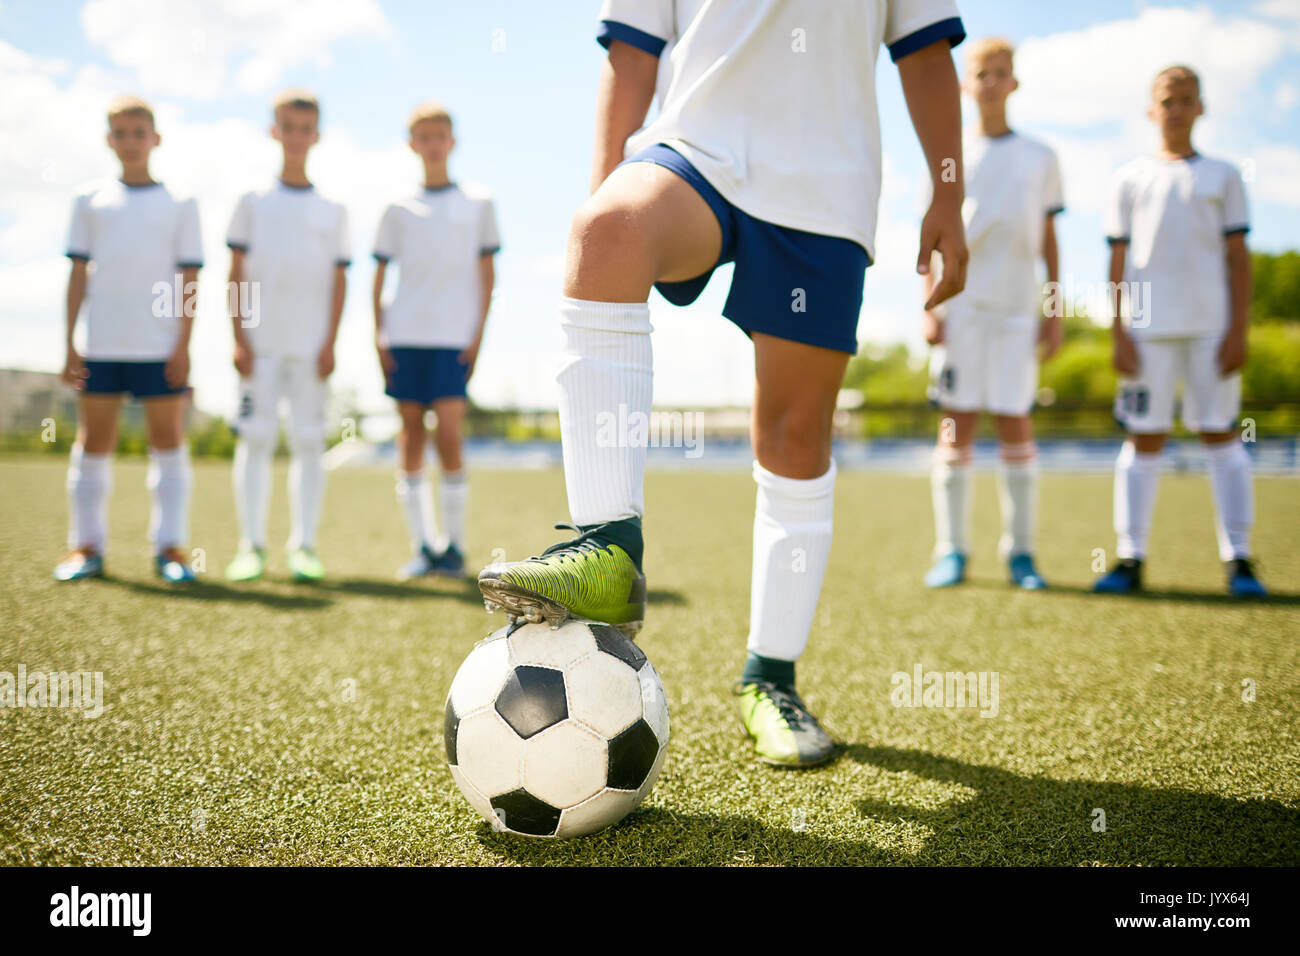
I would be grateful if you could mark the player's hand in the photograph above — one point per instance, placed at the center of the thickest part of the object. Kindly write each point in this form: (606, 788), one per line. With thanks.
(1232, 352)
(177, 369)
(386, 361)
(243, 359)
(941, 231)
(325, 361)
(932, 327)
(74, 370)
(469, 356)
(1050, 335)
(1125, 356)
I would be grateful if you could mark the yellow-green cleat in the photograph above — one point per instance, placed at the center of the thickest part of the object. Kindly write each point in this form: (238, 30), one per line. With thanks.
(304, 565)
(587, 577)
(785, 734)
(248, 565)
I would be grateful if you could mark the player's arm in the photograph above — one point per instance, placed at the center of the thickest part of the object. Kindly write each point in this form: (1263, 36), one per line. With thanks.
(377, 298)
(1124, 353)
(934, 103)
(339, 294)
(234, 301)
(623, 97)
(74, 369)
(1050, 332)
(931, 320)
(1232, 351)
(487, 274)
(177, 369)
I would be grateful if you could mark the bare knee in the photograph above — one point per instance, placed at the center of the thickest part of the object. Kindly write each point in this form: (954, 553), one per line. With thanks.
(1148, 444)
(794, 443)
(958, 428)
(611, 255)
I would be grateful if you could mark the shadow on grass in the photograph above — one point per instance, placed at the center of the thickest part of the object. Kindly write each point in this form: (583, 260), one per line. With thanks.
(1222, 598)
(1019, 820)
(456, 589)
(206, 589)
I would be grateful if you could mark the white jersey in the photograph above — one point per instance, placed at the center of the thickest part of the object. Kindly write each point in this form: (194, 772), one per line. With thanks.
(436, 238)
(1013, 184)
(1175, 215)
(293, 239)
(137, 239)
(774, 101)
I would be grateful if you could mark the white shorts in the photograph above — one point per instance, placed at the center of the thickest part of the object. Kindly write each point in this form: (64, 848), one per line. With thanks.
(1144, 405)
(278, 378)
(985, 362)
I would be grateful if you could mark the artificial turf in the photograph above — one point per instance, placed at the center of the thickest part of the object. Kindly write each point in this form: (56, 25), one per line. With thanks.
(280, 723)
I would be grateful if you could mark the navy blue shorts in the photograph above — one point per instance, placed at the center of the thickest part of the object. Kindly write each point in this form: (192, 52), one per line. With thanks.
(794, 285)
(140, 379)
(426, 375)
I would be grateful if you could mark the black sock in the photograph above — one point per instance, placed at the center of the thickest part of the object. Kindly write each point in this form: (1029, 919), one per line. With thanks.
(769, 669)
(625, 532)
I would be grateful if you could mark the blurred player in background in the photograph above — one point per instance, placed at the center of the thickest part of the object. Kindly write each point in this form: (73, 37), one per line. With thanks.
(442, 239)
(984, 339)
(766, 153)
(289, 253)
(1177, 223)
(136, 252)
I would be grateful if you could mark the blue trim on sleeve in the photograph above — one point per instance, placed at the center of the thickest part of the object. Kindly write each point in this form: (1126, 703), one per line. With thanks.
(240, 246)
(1236, 231)
(1056, 210)
(611, 30)
(83, 256)
(189, 265)
(488, 251)
(950, 30)
(1116, 240)
(381, 257)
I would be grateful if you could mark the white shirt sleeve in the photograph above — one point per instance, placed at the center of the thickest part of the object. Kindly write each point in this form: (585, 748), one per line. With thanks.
(386, 241)
(1119, 210)
(911, 25)
(489, 241)
(240, 231)
(1053, 197)
(646, 24)
(1236, 215)
(79, 229)
(189, 238)
(343, 240)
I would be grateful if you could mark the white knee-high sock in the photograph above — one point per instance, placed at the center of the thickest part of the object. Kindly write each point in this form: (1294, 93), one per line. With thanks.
(1018, 494)
(252, 473)
(1234, 497)
(1136, 479)
(416, 497)
(792, 542)
(606, 379)
(453, 498)
(90, 479)
(306, 490)
(951, 490)
(170, 479)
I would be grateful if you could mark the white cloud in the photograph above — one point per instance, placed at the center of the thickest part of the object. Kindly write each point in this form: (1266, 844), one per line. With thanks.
(203, 48)
(1285, 97)
(1273, 175)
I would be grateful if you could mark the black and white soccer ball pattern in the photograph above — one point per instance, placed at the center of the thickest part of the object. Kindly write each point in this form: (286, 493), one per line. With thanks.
(555, 733)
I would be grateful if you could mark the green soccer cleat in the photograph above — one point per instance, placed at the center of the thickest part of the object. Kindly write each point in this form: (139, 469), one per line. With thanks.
(784, 733)
(586, 577)
(304, 565)
(248, 565)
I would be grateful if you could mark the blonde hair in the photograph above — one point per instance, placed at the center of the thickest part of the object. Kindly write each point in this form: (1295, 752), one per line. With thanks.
(1178, 74)
(983, 48)
(428, 110)
(297, 99)
(130, 106)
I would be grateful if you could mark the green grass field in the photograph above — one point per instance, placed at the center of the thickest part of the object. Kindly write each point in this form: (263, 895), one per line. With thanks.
(228, 735)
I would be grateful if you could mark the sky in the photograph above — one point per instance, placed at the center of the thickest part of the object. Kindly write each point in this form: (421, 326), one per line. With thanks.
(519, 79)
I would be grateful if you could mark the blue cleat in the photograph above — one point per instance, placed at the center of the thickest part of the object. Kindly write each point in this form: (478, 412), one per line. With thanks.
(79, 564)
(449, 564)
(1124, 578)
(1242, 581)
(171, 567)
(1024, 574)
(947, 571)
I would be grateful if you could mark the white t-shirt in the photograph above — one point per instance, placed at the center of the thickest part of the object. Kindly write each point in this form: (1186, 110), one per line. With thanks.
(137, 239)
(293, 239)
(1013, 184)
(1175, 215)
(436, 238)
(774, 101)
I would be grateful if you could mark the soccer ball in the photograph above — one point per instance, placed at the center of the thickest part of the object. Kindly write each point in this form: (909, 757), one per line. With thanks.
(555, 732)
